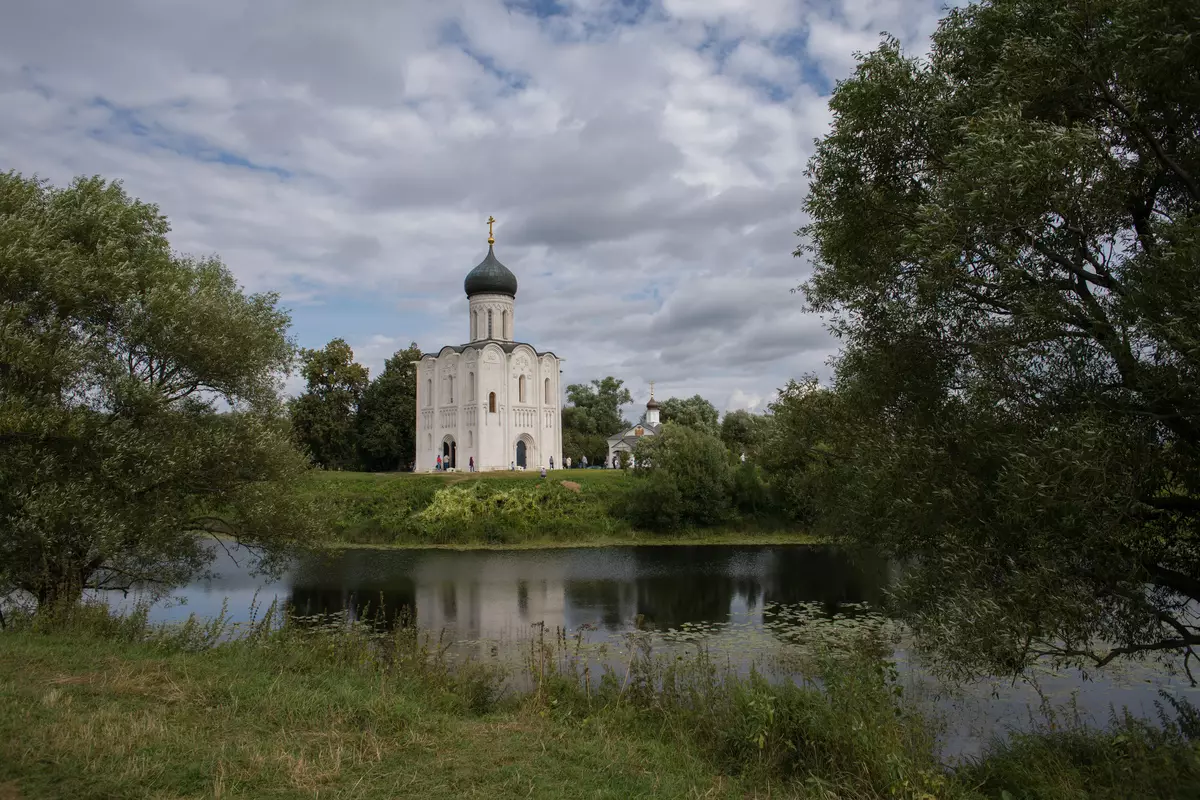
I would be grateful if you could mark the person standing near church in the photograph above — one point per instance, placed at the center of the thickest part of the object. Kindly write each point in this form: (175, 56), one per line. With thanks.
(551, 462)
(583, 463)
(439, 464)
(471, 463)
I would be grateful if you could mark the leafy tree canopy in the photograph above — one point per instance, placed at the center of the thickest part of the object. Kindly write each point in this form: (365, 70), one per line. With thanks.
(1006, 234)
(114, 355)
(687, 478)
(323, 418)
(744, 432)
(694, 412)
(387, 414)
(596, 408)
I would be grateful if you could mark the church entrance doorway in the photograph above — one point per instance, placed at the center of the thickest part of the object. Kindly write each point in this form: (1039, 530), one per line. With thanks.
(449, 453)
(520, 453)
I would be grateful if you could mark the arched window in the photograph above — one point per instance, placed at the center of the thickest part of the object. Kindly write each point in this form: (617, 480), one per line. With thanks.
(492, 402)
(547, 391)
(430, 441)
(451, 388)
(489, 323)
(470, 438)
(474, 326)
(429, 392)
(504, 334)
(521, 389)
(471, 385)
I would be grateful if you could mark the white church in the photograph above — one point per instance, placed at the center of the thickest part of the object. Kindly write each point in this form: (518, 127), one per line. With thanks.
(493, 400)
(624, 441)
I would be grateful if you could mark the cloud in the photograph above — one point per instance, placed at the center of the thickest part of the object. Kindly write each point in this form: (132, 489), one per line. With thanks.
(645, 159)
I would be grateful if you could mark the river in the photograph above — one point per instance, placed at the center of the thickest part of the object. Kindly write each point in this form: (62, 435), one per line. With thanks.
(745, 604)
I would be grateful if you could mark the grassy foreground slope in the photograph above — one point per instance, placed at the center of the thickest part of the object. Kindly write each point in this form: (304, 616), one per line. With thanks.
(499, 508)
(113, 709)
(99, 719)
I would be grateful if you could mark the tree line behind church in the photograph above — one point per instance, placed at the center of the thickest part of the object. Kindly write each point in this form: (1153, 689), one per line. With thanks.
(702, 469)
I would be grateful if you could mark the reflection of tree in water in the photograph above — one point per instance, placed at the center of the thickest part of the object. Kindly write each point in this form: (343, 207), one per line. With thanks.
(826, 575)
(612, 599)
(691, 584)
(350, 582)
(379, 605)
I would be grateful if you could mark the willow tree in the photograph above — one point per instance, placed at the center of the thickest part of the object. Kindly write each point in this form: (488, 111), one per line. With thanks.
(139, 406)
(1007, 239)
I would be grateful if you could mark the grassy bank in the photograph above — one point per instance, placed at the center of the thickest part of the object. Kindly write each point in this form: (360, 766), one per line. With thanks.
(91, 707)
(505, 509)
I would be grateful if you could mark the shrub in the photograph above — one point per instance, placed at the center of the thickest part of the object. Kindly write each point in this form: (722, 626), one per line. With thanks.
(695, 464)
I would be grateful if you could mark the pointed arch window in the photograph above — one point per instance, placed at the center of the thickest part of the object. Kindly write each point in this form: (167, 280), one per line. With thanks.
(492, 402)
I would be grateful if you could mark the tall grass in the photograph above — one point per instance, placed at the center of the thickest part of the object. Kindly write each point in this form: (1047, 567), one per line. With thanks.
(841, 729)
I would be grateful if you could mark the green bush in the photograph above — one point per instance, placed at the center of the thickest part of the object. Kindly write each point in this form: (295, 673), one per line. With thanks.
(655, 503)
(688, 463)
(749, 491)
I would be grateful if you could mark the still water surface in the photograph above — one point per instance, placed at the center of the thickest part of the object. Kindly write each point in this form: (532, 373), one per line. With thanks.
(745, 604)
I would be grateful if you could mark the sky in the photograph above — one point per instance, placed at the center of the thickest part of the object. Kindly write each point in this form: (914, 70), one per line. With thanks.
(644, 160)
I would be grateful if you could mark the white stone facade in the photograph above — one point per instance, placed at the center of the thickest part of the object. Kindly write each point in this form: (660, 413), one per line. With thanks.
(493, 400)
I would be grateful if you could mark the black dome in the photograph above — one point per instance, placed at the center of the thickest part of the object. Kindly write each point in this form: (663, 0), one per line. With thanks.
(490, 277)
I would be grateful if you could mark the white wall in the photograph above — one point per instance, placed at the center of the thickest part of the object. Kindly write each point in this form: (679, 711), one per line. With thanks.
(489, 437)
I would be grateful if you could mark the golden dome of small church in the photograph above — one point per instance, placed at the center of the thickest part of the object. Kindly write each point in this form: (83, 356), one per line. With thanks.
(494, 401)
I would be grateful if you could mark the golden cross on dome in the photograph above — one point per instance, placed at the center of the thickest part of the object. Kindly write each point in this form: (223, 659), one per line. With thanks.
(491, 221)
(651, 390)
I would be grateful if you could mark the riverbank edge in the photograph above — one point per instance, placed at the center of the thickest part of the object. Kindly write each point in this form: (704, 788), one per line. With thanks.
(729, 539)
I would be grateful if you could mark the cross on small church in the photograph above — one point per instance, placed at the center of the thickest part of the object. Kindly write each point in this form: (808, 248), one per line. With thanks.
(651, 390)
(491, 220)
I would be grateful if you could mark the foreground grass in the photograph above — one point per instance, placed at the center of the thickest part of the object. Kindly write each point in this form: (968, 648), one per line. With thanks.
(101, 719)
(93, 707)
(506, 509)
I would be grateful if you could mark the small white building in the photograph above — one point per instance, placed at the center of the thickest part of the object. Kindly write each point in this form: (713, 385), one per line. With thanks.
(626, 440)
(493, 399)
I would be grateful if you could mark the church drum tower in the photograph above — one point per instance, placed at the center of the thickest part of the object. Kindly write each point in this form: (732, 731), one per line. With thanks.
(493, 399)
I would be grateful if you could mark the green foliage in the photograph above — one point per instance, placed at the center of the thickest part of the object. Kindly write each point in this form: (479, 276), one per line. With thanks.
(114, 352)
(743, 432)
(1007, 237)
(391, 509)
(387, 414)
(1132, 758)
(687, 472)
(749, 490)
(656, 503)
(794, 457)
(178, 695)
(576, 445)
(323, 418)
(484, 508)
(694, 412)
(595, 410)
